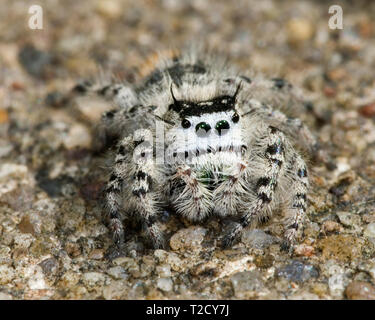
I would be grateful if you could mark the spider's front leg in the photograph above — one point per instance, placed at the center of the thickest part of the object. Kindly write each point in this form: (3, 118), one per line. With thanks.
(134, 164)
(113, 194)
(273, 155)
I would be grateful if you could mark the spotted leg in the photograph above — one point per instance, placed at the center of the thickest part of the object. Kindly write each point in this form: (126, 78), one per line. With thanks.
(122, 95)
(121, 121)
(301, 133)
(293, 126)
(134, 159)
(267, 95)
(299, 185)
(273, 156)
(113, 195)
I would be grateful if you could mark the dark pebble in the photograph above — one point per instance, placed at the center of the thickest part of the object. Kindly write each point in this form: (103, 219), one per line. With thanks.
(53, 187)
(340, 188)
(368, 111)
(49, 266)
(34, 61)
(297, 271)
(55, 99)
(91, 190)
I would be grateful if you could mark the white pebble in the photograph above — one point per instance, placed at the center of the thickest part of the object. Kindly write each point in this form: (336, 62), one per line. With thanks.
(78, 136)
(165, 284)
(93, 278)
(370, 230)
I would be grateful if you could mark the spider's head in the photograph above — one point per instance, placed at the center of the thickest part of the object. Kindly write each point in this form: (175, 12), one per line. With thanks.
(211, 125)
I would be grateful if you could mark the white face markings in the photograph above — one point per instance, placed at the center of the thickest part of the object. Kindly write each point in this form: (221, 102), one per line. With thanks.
(207, 134)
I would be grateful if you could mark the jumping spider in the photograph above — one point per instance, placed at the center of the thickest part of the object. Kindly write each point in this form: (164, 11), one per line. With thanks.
(226, 148)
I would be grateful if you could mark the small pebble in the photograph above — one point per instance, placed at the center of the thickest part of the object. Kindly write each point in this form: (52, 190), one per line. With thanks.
(336, 284)
(265, 261)
(368, 218)
(163, 270)
(359, 290)
(6, 274)
(116, 290)
(165, 284)
(299, 30)
(117, 272)
(55, 99)
(69, 279)
(11, 169)
(304, 250)
(331, 226)
(5, 255)
(37, 281)
(34, 61)
(297, 271)
(25, 226)
(175, 262)
(247, 283)
(257, 239)
(190, 238)
(78, 136)
(96, 254)
(4, 118)
(367, 111)
(91, 279)
(320, 289)
(5, 296)
(349, 219)
(111, 9)
(370, 230)
(73, 249)
(7, 149)
(23, 240)
(340, 247)
(49, 266)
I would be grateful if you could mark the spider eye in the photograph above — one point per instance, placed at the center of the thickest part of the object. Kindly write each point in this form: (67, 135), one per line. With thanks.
(236, 117)
(185, 123)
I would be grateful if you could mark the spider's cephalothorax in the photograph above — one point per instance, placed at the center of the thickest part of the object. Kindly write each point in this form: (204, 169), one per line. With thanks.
(198, 137)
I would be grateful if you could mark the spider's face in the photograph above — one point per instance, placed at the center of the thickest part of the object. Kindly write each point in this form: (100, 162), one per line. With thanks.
(212, 132)
(207, 127)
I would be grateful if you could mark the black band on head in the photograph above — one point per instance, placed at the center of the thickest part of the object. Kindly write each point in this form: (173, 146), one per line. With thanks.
(219, 104)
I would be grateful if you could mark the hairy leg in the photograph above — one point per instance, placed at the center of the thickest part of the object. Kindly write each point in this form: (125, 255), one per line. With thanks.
(273, 157)
(122, 95)
(194, 200)
(269, 98)
(227, 196)
(134, 164)
(297, 172)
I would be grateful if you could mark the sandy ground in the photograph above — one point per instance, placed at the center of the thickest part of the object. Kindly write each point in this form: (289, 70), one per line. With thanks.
(52, 240)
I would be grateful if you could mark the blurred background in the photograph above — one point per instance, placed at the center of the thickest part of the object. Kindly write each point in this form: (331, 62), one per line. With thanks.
(52, 241)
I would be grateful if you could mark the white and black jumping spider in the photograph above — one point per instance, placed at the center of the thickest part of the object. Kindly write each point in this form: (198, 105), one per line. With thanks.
(227, 149)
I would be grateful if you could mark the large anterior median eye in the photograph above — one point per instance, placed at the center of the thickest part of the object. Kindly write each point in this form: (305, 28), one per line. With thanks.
(222, 126)
(185, 123)
(202, 126)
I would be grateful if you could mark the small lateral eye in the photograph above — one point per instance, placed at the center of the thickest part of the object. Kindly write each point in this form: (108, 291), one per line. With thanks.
(185, 123)
(236, 117)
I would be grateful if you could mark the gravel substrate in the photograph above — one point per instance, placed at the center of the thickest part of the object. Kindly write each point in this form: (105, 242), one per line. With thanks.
(53, 244)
